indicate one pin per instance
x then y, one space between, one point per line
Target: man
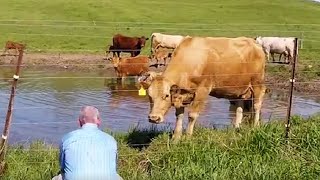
88 153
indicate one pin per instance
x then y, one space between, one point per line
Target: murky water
47 108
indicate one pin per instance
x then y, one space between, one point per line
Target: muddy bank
90 62
59 61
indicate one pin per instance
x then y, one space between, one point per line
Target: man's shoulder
72 134
107 136
80 133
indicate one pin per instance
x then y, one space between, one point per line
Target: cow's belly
228 93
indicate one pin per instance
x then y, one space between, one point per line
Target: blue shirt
88 153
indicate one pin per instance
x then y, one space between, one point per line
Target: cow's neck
180 80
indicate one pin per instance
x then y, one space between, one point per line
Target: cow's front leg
273 60
281 56
258 93
196 106
123 78
267 52
193 116
179 120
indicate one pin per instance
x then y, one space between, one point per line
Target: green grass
259 153
99 20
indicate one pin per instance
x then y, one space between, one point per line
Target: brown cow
130 66
133 45
14 45
231 68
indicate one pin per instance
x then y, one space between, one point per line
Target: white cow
165 41
278 45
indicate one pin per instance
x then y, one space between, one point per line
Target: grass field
78 25
211 154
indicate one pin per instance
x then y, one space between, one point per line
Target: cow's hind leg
179 120
258 94
272 54
239 113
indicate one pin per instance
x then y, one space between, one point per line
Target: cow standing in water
231 68
130 66
132 45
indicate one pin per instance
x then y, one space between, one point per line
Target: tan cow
161 56
165 41
231 68
185 98
130 66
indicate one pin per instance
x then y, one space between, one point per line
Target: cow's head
146 78
109 49
258 40
162 95
142 41
115 61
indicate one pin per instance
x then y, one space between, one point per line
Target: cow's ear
175 89
189 97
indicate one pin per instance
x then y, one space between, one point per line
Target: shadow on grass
140 138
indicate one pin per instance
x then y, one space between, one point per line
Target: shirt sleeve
61 157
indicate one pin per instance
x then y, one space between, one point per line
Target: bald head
89 114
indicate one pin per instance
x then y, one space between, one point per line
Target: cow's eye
165 96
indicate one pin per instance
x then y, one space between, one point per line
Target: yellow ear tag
142 91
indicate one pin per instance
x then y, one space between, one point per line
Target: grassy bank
211 154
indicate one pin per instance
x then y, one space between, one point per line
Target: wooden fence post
4 138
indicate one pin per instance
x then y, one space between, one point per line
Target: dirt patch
59 61
280 82
89 62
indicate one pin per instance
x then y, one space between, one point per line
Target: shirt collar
89 126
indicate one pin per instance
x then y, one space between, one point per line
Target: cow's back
217 62
124 42
135 65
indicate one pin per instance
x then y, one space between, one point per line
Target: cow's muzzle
155 119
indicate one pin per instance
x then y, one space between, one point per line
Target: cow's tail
151 43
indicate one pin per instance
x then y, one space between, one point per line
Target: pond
46 107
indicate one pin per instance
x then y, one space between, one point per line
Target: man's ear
175 89
80 122
99 121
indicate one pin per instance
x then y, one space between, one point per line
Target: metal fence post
292 81
4 138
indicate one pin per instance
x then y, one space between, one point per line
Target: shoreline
85 62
